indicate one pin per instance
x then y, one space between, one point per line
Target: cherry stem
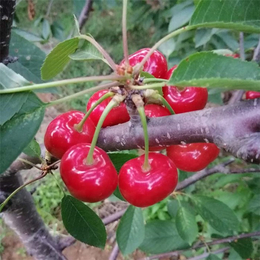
80 125
82 93
64 82
124 32
146 166
101 50
138 68
166 104
148 80
155 85
110 105
29 163
21 187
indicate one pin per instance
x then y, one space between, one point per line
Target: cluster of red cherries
94 178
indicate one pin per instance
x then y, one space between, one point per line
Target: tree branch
85 13
234 128
256 56
7 8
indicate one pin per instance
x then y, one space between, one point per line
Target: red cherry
193 157
154 110
155 65
61 133
186 99
143 189
235 55
117 115
252 94
89 183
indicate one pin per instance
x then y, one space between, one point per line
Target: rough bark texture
234 128
7 8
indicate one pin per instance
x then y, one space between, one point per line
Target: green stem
82 93
166 104
155 85
148 80
57 182
146 165
79 126
21 187
110 105
61 83
124 32
101 50
164 39
29 163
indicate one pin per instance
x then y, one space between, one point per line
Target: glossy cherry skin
143 189
117 115
61 133
155 65
184 100
89 183
193 157
155 110
252 94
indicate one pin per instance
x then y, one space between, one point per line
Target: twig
236 97
113 217
256 56
114 253
241 46
214 242
49 8
85 13
206 254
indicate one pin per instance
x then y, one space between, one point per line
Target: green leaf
10 79
26 35
181 14
161 236
118 159
82 222
240 15
233 255
33 149
10 104
254 205
207 69
30 58
58 58
87 52
130 232
16 133
244 247
46 29
213 257
217 214
186 225
173 207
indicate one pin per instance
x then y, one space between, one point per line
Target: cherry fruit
155 65
89 183
61 133
154 110
252 94
186 99
117 115
145 188
193 157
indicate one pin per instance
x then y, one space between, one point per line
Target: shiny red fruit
117 115
89 183
235 55
143 189
193 157
155 65
61 133
252 94
186 99
154 110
